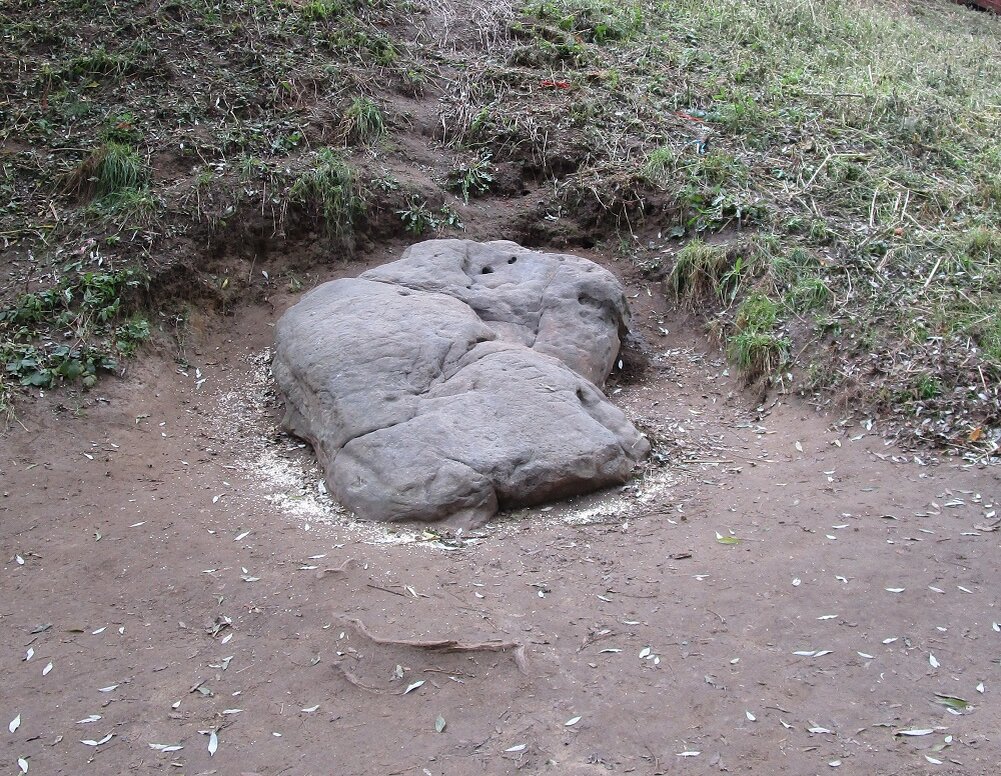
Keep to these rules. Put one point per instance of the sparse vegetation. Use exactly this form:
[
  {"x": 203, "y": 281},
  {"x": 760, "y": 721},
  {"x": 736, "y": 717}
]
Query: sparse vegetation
[
  {"x": 840, "y": 158},
  {"x": 329, "y": 190},
  {"x": 470, "y": 179},
  {"x": 363, "y": 123}
]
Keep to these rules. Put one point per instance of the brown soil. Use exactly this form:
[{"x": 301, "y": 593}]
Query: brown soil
[{"x": 180, "y": 563}]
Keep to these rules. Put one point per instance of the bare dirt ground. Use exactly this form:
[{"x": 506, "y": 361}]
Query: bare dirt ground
[{"x": 176, "y": 583}]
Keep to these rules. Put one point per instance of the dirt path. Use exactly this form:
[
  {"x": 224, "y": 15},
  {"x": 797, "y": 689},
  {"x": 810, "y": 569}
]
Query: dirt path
[{"x": 183, "y": 573}]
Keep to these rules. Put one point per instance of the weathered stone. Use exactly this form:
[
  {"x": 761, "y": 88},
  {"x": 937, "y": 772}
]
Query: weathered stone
[{"x": 459, "y": 380}]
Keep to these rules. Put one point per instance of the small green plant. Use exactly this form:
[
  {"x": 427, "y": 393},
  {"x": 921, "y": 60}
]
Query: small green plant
[
  {"x": 363, "y": 123},
  {"x": 755, "y": 347},
  {"x": 659, "y": 164},
  {"x": 808, "y": 294},
  {"x": 329, "y": 190},
  {"x": 418, "y": 218},
  {"x": 472, "y": 178},
  {"x": 927, "y": 387},
  {"x": 702, "y": 270},
  {"x": 112, "y": 170},
  {"x": 83, "y": 309}
]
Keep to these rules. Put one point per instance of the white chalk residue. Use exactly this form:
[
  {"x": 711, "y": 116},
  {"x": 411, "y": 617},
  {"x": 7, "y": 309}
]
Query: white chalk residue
[{"x": 287, "y": 476}]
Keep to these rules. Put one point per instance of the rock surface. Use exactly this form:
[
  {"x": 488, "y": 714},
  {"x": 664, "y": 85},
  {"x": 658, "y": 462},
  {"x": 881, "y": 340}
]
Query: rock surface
[{"x": 459, "y": 380}]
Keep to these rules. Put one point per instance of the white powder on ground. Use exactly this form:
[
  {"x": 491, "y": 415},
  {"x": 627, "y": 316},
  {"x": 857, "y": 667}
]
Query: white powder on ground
[{"x": 286, "y": 476}]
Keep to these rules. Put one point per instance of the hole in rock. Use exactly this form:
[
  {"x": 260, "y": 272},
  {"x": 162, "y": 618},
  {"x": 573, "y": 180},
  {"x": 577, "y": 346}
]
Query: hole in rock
[
  {"x": 512, "y": 260},
  {"x": 486, "y": 270}
]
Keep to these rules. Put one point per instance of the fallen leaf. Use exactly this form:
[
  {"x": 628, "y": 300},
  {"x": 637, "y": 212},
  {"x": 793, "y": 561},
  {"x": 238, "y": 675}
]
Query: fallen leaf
[
  {"x": 726, "y": 539},
  {"x": 516, "y": 748},
  {"x": 895, "y": 589},
  {"x": 91, "y": 742},
  {"x": 915, "y": 732},
  {"x": 166, "y": 747},
  {"x": 310, "y": 709},
  {"x": 109, "y": 688},
  {"x": 933, "y": 760},
  {"x": 440, "y": 724},
  {"x": 213, "y": 743},
  {"x": 933, "y": 661},
  {"x": 91, "y": 718},
  {"x": 14, "y": 723},
  {"x": 750, "y": 716},
  {"x": 45, "y": 671},
  {"x": 960, "y": 704},
  {"x": 22, "y": 764},
  {"x": 571, "y": 722},
  {"x": 645, "y": 652},
  {"x": 689, "y": 754},
  {"x": 414, "y": 686}
]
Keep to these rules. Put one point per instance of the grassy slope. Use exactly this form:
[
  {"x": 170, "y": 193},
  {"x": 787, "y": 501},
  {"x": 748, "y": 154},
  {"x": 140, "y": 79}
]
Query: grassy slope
[{"x": 831, "y": 172}]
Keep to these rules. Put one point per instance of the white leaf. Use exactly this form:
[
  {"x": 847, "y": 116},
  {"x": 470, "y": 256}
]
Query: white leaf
[
  {"x": 414, "y": 686},
  {"x": 109, "y": 688},
  {"x": 213, "y": 743},
  {"x": 609, "y": 650},
  {"x": 785, "y": 724},
  {"x": 91, "y": 742},
  {"x": 750, "y": 716},
  {"x": 818, "y": 729},
  {"x": 91, "y": 718},
  {"x": 29, "y": 654},
  {"x": 834, "y": 763},
  {"x": 827, "y": 617},
  {"x": 234, "y": 711},
  {"x": 14, "y": 723},
  {"x": 167, "y": 747},
  {"x": 19, "y": 559},
  {"x": 799, "y": 447},
  {"x": 571, "y": 722},
  {"x": 915, "y": 732},
  {"x": 980, "y": 687},
  {"x": 797, "y": 582},
  {"x": 689, "y": 754},
  {"x": 99, "y": 630},
  {"x": 866, "y": 656},
  {"x": 45, "y": 671},
  {"x": 890, "y": 640},
  {"x": 996, "y": 627},
  {"x": 932, "y": 760},
  {"x": 516, "y": 748},
  {"x": 645, "y": 652},
  {"x": 310, "y": 709},
  {"x": 226, "y": 638},
  {"x": 895, "y": 589},
  {"x": 22, "y": 764},
  {"x": 244, "y": 535},
  {"x": 932, "y": 660}
]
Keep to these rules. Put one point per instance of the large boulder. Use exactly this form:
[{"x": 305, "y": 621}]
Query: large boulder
[{"x": 459, "y": 380}]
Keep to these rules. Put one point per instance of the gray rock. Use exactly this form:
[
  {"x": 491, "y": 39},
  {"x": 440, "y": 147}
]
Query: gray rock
[{"x": 459, "y": 380}]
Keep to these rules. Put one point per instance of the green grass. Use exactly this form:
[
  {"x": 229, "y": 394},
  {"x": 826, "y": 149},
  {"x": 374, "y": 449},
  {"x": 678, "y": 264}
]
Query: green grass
[
  {"x": 329, "y": 191},
  {"x": 363, "y": 122},
  {"x": 112, "y": 170}
]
